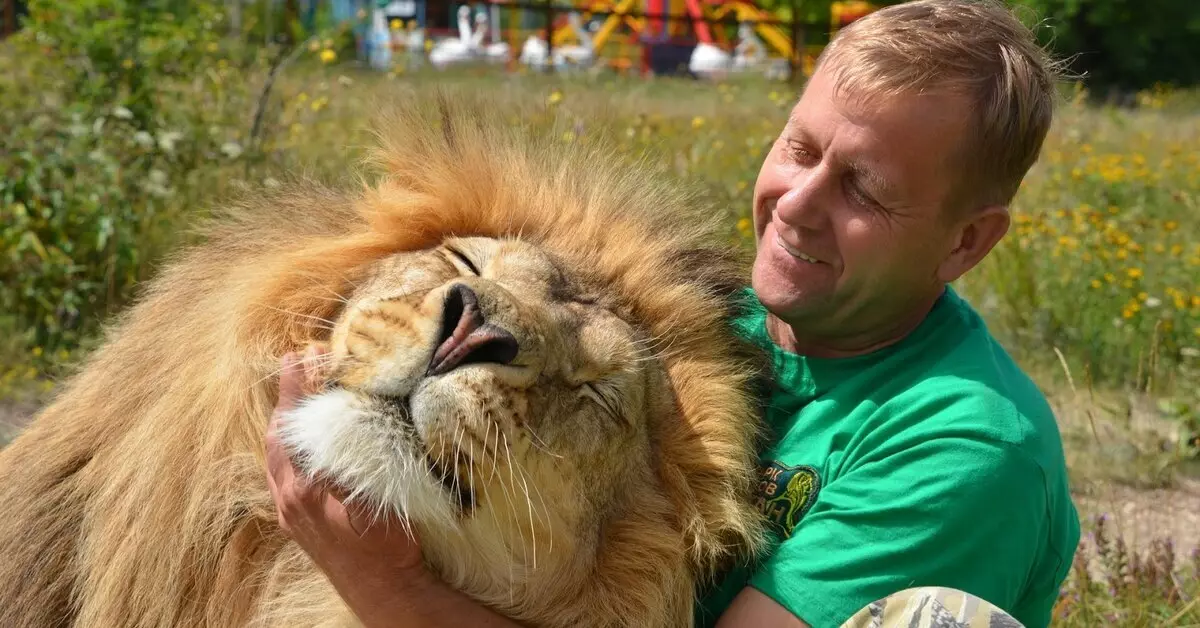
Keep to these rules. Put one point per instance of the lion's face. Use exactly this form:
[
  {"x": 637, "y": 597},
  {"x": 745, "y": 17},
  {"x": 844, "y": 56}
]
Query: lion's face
[{"x": 492, "y": 396}]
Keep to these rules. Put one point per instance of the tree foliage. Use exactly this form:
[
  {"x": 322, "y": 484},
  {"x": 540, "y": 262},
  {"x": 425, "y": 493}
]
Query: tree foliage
[{"x": 1122, "y": 44}]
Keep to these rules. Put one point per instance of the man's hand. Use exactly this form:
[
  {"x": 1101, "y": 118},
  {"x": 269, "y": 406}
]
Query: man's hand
[
  {"x": 363, "y": 557},
  {"x": 375, "y": 565}
]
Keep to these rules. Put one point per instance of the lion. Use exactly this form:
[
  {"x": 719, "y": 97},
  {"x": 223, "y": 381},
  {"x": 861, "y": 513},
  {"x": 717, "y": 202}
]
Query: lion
[{"x": 529, "y": 359}]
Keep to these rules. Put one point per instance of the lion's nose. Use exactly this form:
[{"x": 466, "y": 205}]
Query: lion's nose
[{"x": 466, "y": 337}]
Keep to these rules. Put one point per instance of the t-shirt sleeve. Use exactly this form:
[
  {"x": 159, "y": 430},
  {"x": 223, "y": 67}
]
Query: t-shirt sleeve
[{"x": 956, "y": 511}]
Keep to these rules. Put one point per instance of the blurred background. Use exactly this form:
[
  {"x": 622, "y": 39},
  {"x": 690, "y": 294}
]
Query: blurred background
[{"x": 123, "y": 121}]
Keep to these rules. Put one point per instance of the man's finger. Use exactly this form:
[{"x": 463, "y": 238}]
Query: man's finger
[
  {"x": 280, "y": 471},
  {"x": 291, "y": 382},
  {"x": 314, "y": 368}
]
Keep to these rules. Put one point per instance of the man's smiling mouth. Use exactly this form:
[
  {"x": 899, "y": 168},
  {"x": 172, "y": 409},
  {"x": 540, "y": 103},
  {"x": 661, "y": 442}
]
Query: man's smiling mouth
[{"x": 794, "y": 253}]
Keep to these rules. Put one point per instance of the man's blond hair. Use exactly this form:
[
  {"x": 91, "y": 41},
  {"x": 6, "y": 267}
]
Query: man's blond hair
[{"x": 977, "y": 49}]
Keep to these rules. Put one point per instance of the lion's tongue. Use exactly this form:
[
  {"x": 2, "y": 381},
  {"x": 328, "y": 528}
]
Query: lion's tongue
[{"x": 472, "y": 343}]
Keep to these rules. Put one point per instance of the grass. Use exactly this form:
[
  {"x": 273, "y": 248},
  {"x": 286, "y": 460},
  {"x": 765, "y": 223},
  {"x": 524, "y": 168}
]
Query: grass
[{"x": 1096, "y": 291}]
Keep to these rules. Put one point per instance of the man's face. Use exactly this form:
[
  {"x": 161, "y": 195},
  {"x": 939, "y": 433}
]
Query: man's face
[{"x": 850, "y": 209}]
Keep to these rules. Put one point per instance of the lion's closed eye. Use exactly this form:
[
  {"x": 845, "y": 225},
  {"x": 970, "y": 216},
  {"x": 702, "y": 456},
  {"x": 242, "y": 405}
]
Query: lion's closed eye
[
  {"x": 606, "y": 396},
  {"x": 464, "y": 260}
]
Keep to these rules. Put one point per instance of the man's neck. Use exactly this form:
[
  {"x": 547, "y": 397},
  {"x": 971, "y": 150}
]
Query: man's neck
[{"x": 850, "y": 345}]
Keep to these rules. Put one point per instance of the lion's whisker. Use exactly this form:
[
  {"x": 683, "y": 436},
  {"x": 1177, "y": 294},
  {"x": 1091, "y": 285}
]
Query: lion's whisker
[
  {"x": 528, "y": 500},
  {"x": 511, "y": 504},
  {"x": 300, "y": 314},
  {"x": 529, "y": 509},
  {"x": 457, "y": 452},
  {"x": 495, "y": 451},
  {"x": 541, "y": 445},
  {"x": 537, "y": 491}
]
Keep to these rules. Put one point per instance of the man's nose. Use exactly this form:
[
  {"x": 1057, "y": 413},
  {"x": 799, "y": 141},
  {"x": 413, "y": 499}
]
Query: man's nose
[{"x": 804, "y": 204}]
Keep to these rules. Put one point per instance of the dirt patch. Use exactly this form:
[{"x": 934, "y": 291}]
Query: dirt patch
[
  {"x": 1142, "y": 516},
  {"x": 13, "y": 416}
]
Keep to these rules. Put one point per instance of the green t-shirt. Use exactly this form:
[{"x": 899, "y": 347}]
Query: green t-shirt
[{"x": 932, "y": 462}]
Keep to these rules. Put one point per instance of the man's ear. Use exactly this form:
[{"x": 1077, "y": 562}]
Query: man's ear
[{"x": 975, "y": 236}]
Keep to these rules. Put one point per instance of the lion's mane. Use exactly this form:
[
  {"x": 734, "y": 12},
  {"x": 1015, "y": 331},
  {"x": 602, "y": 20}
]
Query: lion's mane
[{"x": 138, "y": 497}]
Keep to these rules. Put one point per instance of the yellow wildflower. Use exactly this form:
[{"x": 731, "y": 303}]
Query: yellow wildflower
[
  {"x": 554, "y": 98},
  {"x": 328, "y": 56},
  {"x": 697, "y": 122},
  {"x": 1134, "y": 273}
]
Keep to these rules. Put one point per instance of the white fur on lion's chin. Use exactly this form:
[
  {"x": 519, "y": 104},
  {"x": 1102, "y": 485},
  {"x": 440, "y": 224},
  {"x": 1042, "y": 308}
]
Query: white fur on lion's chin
[{"x": 368, "y": 453}]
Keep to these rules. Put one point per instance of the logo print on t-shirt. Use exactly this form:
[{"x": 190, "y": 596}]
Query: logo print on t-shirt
[{"x": 785, "y": 493}]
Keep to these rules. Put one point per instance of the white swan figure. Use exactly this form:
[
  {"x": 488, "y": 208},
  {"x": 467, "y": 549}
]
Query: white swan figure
[
  {"x": 709, "y": 61},
  {"x": 534, "y": 52},
  {"x": 495, "y": 52},
  {"x": 750, "y": 51},
  {"x": 455, "y": 50}
]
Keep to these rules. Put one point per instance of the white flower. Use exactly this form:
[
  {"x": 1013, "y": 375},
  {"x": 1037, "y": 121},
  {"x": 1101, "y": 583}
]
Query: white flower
[
  {"x": 231, "y": 149},
  {"x": 166, "y": 141},
  {"x": 122, "y": 113}
]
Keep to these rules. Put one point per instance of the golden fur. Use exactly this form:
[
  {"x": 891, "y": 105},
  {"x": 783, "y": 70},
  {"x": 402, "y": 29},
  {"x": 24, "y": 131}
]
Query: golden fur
[{"x": 138, "y": 498}]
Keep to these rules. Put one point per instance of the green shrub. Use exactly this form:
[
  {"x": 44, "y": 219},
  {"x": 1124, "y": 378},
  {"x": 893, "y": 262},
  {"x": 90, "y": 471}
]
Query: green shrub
[{"x": 119, "y": 117}]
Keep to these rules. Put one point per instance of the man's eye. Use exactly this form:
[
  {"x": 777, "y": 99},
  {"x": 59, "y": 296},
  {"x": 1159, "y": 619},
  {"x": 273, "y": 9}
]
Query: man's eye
[
  {"x": 466, "y": 261},
  {"x": 860, "y": 196},
  {"x": 801, "y": 154}
]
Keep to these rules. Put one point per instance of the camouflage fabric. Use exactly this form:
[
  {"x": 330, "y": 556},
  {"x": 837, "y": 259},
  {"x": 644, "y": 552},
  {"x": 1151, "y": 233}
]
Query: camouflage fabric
[{"x": 931, "y": 607}]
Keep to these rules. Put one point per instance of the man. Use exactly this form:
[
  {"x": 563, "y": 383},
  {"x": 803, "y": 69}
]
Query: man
[{"x": 909, "y": 450}]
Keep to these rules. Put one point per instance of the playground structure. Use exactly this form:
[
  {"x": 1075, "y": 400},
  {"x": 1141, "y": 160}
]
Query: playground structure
[{"x": 707, "y": 37}]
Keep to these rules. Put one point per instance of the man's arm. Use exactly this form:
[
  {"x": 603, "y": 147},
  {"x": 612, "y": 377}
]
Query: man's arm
[
  {"x": 416, "y": 602},
  {"x": 752, "y": 609}
]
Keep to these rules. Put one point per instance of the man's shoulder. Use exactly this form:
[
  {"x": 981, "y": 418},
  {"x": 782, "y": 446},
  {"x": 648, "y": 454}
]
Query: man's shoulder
[{"x": 965, "y": 377}]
